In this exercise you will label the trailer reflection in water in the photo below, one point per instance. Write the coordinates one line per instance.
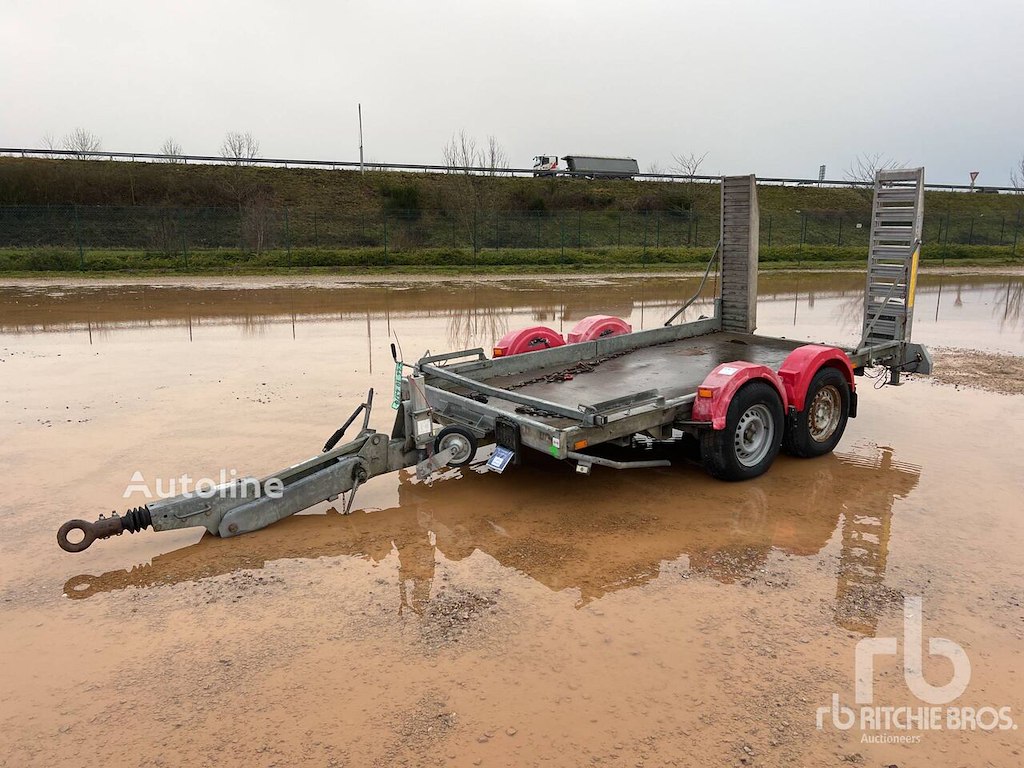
(589, 537)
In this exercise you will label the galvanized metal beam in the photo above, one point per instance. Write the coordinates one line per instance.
(513, 397)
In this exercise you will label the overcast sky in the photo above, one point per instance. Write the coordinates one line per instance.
(774, 88)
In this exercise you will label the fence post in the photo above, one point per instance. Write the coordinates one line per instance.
(287, 236)
(538, 228)
(840, 243)
(803, 229)
(769, 231)
(384, 219)
(643, 253)
(561, 227)
(1002, 228)
(970, 235)
(78, 239)
(474, 235)
(316, 231)
(620, 229)
(657, 229)
(1016, 231)
(696, 232)
(579, 230)
(181, 232)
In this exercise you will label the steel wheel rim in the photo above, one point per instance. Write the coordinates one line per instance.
(823, 413)
(754, 436)
(459, 442)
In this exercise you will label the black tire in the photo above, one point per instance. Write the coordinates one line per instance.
(752, 436)
(463, 437)
(818, 428)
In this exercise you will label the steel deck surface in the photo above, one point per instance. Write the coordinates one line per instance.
(675, 368)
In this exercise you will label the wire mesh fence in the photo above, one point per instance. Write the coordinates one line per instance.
(75, 236)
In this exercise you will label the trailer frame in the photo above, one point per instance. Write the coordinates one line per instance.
(450, 389)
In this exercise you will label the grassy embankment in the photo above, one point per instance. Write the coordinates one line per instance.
(100, 217)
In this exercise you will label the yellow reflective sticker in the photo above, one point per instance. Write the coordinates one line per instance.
(913, 277)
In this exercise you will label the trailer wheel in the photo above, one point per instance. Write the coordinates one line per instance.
(752, 436)
(462, 439)
(817, 429)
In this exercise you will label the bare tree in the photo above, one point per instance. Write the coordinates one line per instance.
(689, 164)
(460, 152)
(469, 198)
(82, 141)
(239, 148)
(172, 149)
(865, 167)
(258, 219)
(1017, 176)
(655, 168)
(50, 143)
(495, 159)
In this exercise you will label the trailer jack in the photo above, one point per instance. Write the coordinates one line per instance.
(247, 504)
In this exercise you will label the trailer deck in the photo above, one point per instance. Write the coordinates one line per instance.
(673, 368)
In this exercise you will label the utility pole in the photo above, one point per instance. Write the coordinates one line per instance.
(361, 169)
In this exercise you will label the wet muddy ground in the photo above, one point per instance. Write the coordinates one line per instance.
(651, 617)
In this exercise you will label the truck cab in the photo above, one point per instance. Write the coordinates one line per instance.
(545, 165)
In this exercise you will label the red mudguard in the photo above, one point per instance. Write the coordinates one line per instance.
(803, 362)
(717, 390)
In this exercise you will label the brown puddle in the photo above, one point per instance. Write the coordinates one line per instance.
(653, 617)
(555, 546)
(952, 310)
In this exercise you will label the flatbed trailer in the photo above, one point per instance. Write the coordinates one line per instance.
(600, 391)
(741, 396)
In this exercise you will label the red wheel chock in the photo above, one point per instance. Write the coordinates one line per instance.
(528, 340)
(597, 327)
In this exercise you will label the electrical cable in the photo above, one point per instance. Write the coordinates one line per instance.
(700, 288)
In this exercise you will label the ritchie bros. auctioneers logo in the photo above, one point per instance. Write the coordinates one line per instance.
(908, 722)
